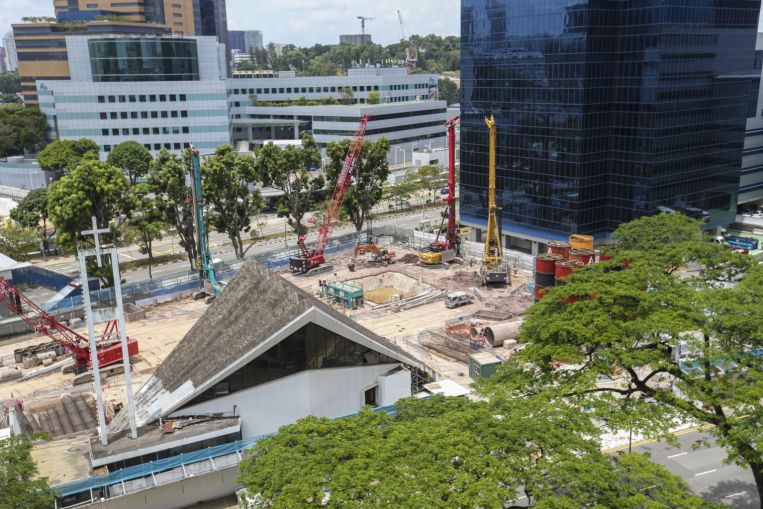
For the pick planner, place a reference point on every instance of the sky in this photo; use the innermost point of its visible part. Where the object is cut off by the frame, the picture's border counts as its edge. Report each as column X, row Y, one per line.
column 305, row 22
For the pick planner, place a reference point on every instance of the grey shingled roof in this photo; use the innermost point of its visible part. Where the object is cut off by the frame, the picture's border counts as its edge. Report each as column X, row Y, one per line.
column 254, row 306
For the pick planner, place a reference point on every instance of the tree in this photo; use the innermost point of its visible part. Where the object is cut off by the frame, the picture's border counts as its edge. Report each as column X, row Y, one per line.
column 64, row 155
column 374, row 97
column 403, row 190
column 147, row 223
column 91, row 189
column 370, row 177
column 288, row 170
column 133, row 158
column 21, row 129
column 32, row 212
column 452, row 452
column 167, row 179
column 655, row 232
column 19, row 484
column 448, row 91
column 227, row 177
column 432, row 178
column 674, row 347
column 347, row 95
column 17, row 241
column 10, row 83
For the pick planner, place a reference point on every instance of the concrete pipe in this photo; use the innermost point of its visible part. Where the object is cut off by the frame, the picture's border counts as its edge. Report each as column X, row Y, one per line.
column 475, row 332
column 497, row 333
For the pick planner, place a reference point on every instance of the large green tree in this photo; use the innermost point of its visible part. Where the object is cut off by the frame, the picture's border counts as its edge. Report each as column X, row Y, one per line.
column 167, row 179
column 32, row 212
column 448, row 90
column 19, row 484
column 10, row 83
column 451, row 453
column 91, row 189
column 17, row 241
column 64, row 155
column 133, row 158
column 227, row 178
column 21, row 130
column 369, row 178
column 147, row 223
column 432, row 178
column 288, row 170
column 675, row 330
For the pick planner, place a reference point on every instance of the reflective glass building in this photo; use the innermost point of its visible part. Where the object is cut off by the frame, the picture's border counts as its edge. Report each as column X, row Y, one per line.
column 606, row 109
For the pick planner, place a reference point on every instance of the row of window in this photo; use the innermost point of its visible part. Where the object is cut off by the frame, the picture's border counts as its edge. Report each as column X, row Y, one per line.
column 146, row 131
column 301, row 90
column 115, row 115
column 152, row 98
column 156, row 146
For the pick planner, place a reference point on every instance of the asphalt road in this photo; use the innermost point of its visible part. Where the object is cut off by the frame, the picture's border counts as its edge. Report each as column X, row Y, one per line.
column 705, row 471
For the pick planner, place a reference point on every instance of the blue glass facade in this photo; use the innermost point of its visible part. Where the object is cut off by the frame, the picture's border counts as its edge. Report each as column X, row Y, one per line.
column 606, row 109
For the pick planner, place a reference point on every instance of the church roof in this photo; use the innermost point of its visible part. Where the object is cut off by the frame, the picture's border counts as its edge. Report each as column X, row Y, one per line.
column 256, row 310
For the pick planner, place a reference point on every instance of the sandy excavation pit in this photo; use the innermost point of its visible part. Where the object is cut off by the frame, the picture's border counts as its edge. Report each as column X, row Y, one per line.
column 389, row 287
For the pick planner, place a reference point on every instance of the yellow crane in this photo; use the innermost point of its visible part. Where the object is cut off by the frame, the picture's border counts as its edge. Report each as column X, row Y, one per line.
column 493, row 270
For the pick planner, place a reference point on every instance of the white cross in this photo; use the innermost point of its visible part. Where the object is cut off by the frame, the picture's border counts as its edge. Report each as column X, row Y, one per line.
column 94, row 232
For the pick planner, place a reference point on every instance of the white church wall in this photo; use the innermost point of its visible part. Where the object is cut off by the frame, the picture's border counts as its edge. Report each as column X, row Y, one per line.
column 393, row 386
column 330, row 392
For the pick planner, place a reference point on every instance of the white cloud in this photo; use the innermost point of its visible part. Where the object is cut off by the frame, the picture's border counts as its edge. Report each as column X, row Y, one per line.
column 305, row 22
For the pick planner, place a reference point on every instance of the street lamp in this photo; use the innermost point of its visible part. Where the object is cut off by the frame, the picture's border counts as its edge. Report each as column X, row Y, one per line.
column 403, row 151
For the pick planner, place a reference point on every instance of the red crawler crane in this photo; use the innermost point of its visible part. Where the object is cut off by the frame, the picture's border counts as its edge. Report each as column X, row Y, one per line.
column 309, row 260
column 109, row 352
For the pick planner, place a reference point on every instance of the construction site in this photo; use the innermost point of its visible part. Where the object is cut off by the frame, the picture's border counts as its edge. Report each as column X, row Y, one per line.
column 157, row 410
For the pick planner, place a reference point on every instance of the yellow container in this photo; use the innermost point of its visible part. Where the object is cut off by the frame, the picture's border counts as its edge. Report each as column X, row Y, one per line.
column 581, row 242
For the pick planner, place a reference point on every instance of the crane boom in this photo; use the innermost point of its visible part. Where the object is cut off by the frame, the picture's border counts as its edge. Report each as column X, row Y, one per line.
column 74, row 343
column 312, row 258
column 204, row 257
column 454, row 240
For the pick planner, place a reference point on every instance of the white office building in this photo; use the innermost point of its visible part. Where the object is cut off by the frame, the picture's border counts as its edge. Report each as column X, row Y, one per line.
column 751, row 178
column 158, row 101
column 409, row 126
column 11, row 58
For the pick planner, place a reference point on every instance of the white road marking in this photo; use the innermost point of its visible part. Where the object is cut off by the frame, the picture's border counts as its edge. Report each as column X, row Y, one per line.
column 736, row 494
column 677, row 455
column 704, row 473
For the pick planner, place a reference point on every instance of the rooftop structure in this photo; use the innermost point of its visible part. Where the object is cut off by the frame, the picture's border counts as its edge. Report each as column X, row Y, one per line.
column 283, row 356
column 356, row 39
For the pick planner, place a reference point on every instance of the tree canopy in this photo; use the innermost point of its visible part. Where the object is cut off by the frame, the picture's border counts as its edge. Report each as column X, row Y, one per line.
column 18, row 483
column 147, row 223
column 288, row 170
column 451, row 453
column 675, row 329
column 133, row 158
column 21, row 129
column 32, row 212
column 64, row 155
column 227, row 177
column 448, row 91
column 370, row 177
column 10, row 83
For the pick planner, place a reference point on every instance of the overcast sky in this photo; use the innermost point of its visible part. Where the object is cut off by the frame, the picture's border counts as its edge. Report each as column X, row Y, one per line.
column 305, row 22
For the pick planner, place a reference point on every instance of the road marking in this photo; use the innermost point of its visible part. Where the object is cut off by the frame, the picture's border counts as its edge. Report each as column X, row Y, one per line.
column 677, row 455
column 736, row 494
column 705, row 473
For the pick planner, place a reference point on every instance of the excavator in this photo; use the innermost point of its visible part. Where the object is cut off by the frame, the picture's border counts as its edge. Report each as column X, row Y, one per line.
column 493, row 269
column 381, row 257
column 446, row 251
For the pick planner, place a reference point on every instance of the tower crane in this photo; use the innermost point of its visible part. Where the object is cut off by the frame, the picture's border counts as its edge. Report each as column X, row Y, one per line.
column 411, row 52
column 363, row 20
column 493, row 270
column 447, row 251
column 309, row 261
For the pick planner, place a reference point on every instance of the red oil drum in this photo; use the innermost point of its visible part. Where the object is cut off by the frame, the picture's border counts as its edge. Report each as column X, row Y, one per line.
column 560, row 248
column 584, row 256
column 545, row 269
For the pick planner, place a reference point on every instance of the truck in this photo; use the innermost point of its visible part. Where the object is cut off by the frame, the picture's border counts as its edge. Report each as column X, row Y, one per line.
column 737, row 242
column 456, row 299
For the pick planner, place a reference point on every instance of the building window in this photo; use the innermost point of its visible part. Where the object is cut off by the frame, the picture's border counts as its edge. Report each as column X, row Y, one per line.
column 185, row 129
column 173, row 98
column 184, row 113
column 162, row 98
column 123, row 115
column 333, row 89
column 177, row 146
column 174, row 114
column 259, row 90
column 152, row 98
column 155, row 130
column 131, row 98
column 143, row 114
column 112, row 99
column 168, row 146
column 157, row 146
column 104, row 132
column 103, row 116
column 164, row 114
column 101, row 99
column 133, row 114
column 107, row 148
column 142, row 98
column 115, row 132
column 122, row 99
column 135, row 131
column 146, row 130
column 154, row 114
column 304, row 90
column 125, row 131
column 183, row 97
column 147, row 145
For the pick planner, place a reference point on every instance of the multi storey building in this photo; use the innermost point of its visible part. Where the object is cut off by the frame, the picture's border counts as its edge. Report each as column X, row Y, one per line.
column 170, row 92
column 606, row 111
column 11, row 60
column 167, row 91
column 245, row 40
column 181, row 16
column 3, row 60
column 356, row 39
column 751, row 180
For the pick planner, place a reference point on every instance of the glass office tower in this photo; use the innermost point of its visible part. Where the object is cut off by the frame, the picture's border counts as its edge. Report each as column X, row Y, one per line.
column 606, row 109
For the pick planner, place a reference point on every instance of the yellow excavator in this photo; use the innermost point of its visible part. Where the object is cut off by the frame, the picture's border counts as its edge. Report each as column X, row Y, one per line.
column 493, row 270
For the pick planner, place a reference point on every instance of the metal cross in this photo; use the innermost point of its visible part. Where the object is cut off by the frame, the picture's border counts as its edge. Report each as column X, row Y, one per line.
column 94, row 232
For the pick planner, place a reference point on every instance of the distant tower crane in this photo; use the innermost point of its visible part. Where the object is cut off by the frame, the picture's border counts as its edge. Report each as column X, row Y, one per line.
column 411, row 52
column 363, row 20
